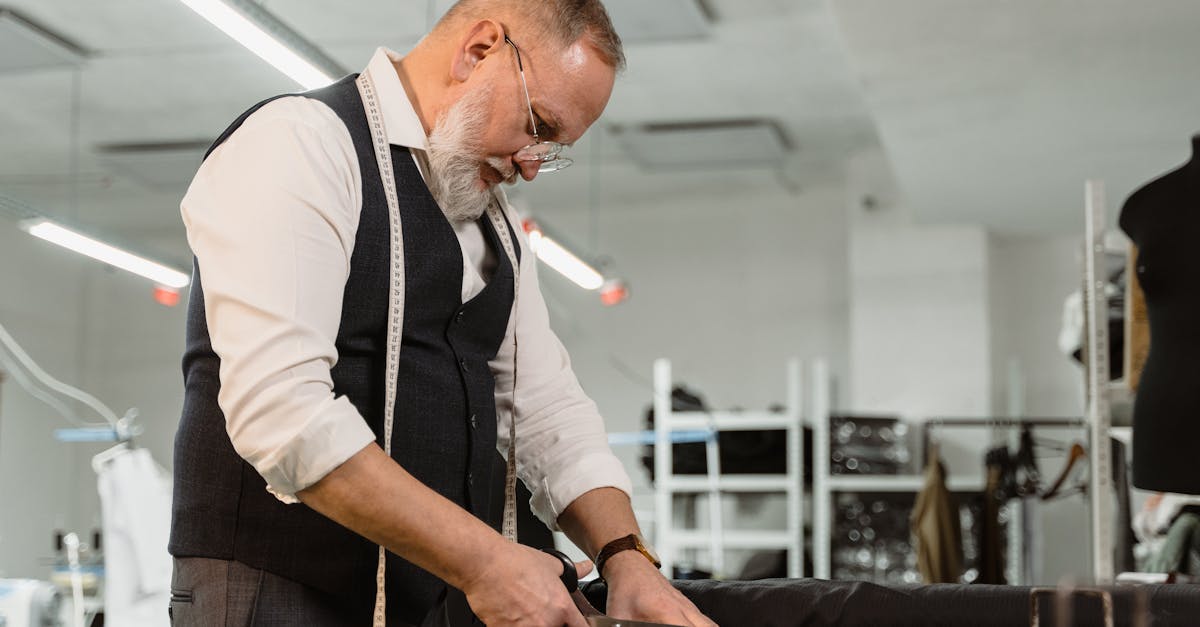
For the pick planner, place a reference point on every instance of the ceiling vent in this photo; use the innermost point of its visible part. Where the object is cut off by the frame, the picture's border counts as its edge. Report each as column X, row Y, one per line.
column 752, row 143
column 159, row 166
column 26, row 45
column 643, row 21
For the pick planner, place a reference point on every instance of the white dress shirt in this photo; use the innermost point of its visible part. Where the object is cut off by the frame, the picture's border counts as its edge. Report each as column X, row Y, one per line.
column 272, row 216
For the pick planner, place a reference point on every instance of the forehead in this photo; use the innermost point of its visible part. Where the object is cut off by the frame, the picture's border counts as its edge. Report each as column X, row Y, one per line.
column 572, row 85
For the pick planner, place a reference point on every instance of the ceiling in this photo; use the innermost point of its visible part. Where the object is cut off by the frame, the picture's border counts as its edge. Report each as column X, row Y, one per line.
column 995, row 113
column 155, row 73
column 990, row 113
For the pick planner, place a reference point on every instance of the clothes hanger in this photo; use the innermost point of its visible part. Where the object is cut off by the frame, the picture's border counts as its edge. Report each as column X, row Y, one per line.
column 125, row 431
column 1077, row 453
column 109, row 454
column 1026, row 463
column 1001, row 458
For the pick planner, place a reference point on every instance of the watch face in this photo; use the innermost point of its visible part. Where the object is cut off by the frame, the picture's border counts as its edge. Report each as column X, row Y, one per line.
column 645, row 547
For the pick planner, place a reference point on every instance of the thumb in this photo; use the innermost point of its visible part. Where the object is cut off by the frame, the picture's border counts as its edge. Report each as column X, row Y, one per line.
column 583, row 568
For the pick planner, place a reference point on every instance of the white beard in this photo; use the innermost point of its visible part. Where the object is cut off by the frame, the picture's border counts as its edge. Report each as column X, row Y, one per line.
column 454, row 162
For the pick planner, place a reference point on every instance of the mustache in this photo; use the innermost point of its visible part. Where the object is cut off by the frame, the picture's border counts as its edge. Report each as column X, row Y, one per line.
column 508, row 172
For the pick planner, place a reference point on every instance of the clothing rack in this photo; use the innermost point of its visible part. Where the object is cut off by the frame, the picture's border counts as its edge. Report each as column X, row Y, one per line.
column 996, row 423
column 1015, row 558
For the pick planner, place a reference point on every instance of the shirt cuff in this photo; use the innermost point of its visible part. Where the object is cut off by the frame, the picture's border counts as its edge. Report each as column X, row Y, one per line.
column 335, row 434
column 553, row 494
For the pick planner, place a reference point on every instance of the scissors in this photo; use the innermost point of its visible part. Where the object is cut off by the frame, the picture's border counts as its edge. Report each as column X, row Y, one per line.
column 593, row 616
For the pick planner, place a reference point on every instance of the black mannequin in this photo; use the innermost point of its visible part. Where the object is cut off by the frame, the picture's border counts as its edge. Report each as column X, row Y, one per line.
column 1163, row 220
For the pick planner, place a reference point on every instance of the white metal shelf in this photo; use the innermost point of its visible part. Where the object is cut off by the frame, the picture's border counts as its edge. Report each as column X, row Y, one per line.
column 740, row 539
column 730, row 421
column 668, row 423
column 898, row 483
column 730, row 483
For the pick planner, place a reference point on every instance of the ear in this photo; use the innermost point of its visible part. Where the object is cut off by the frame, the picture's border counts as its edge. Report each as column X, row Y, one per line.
column 483, row 38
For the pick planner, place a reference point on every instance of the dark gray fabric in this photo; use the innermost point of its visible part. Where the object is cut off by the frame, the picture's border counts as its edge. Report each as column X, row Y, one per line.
column 445, row 426
column 820, row 603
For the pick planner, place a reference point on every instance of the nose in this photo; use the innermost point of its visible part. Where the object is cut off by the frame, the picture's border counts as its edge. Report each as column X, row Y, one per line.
column 529, row 169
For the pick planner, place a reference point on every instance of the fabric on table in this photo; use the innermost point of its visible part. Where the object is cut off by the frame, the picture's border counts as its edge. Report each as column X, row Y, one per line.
column 819, row 603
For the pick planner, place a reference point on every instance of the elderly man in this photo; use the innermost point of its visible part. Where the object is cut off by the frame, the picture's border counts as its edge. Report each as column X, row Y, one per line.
column 359, row 345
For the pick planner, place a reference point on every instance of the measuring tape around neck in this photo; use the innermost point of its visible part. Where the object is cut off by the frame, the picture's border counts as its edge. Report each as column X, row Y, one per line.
column 395, row 325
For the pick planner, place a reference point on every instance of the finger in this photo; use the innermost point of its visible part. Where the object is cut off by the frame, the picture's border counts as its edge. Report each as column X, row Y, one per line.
column 574, row 618
column 697, row 619
column 584, row 568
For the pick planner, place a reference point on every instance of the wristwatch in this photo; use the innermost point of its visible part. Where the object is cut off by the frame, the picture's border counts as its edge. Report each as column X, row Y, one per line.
column 631, row 542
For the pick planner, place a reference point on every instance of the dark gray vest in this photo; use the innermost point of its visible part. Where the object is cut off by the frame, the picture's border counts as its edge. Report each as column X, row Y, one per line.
column 445, row 416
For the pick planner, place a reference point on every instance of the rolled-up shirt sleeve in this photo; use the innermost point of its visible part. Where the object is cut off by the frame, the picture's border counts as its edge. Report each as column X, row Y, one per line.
column 562, row 445
column 271, row 217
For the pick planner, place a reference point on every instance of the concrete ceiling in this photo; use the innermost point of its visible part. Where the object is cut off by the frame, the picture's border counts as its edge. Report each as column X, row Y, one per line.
column 156, row 73
column 990, row 113
column 995, row 113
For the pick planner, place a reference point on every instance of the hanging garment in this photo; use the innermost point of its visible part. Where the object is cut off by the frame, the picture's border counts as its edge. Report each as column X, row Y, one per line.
column 135, row 503
column 991, row 540
column 936, row 528
column 1125, row 539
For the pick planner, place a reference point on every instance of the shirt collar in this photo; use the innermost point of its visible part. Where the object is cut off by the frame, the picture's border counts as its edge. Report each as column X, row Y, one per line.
column 404, row 127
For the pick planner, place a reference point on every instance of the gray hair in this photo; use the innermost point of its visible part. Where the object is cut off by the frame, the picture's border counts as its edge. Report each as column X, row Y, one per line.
column 565, row 21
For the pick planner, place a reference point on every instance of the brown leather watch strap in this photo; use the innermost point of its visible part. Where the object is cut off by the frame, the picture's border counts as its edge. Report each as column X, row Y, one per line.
column 630, row 542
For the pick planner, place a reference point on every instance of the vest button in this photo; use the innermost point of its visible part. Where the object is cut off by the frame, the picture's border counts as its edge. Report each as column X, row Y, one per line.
column 458, row 317
column 470, row 479
column 462, row 363
column 474, row 422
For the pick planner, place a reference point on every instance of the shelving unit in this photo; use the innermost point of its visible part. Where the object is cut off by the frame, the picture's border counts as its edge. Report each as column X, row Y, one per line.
column 826, row 485
column 1099, row 409
column 822, row 490
column 897, row 483
column 670, row 541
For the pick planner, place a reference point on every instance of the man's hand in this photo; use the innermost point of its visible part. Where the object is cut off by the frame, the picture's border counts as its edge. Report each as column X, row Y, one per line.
column 637, row 591
column 519, row 586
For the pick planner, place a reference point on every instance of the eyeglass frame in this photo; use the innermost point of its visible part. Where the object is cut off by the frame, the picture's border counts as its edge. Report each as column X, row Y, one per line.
column 547, row 153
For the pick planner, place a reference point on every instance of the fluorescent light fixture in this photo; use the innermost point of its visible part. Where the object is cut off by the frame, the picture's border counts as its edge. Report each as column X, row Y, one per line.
column 567, row 264
column 102, row 252
column 258, row 40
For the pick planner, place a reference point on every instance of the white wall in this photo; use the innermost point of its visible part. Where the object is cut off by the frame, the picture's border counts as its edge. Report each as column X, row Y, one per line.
column 41, row 305
column 100, row 330
column 1030, row 277
column 918, row 305
column 919, row 321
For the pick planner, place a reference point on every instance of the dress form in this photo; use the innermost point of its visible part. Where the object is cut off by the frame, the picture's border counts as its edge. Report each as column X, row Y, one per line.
column 1163, row 220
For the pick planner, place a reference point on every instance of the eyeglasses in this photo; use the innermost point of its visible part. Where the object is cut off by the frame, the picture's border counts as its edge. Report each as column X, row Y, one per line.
column 547, row 153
